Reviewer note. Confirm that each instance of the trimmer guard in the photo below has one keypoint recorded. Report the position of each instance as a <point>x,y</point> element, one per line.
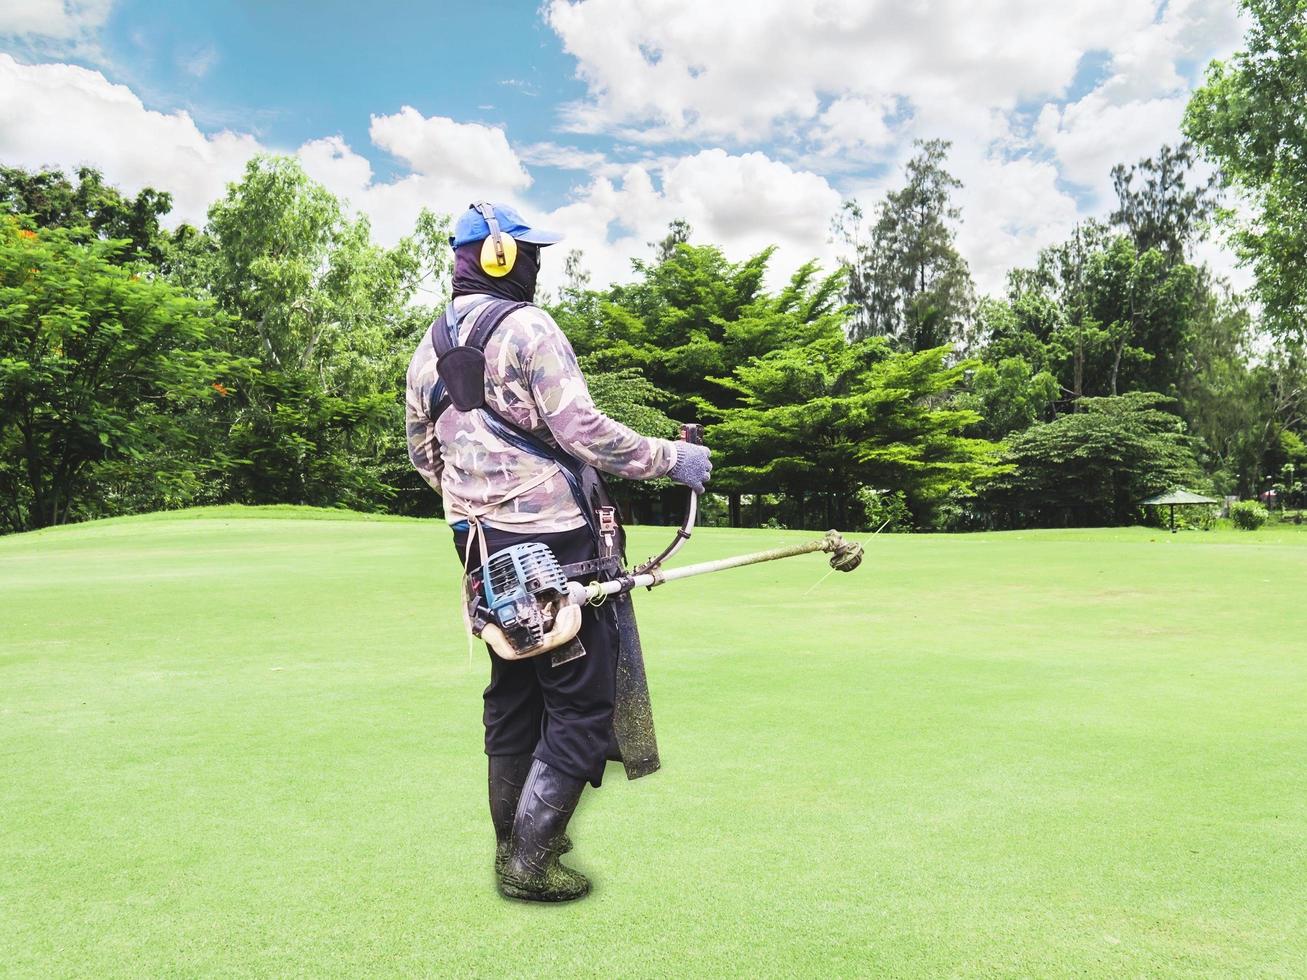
<point>633,725</point>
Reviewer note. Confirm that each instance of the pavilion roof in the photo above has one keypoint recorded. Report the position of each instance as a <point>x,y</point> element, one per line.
<point>1180,496</point>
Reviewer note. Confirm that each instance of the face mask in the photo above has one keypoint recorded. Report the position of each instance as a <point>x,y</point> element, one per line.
<point>519,284</point>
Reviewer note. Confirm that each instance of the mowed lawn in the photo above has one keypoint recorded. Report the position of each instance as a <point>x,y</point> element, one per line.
<point>238,743</point>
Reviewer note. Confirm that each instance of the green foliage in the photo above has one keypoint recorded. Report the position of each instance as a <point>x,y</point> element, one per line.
<point>885,511</point>
<point>101,370</point>
<point>92,209</point>
<point>324,314</point>
<point>1248,118</point>
<point>1007,396</point>
<point>629,398</point>
<point>692,317</point>
<point>1227,396</point>
<point>272,347</point>
<point>1094,466</point>
<point>1103,316</point>
<point>830,417</point>
<point>1196,518</point>
<point>1248,515</point>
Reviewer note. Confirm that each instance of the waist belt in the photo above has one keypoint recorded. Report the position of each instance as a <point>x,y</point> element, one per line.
<point>579,568</point>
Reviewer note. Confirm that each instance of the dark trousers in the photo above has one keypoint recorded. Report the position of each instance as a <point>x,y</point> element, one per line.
<point>562,715</point>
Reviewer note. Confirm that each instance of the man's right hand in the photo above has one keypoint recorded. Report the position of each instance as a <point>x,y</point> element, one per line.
<point>693,465</point>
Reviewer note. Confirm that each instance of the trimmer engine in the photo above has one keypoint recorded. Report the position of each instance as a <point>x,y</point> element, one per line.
<point>524,602</point>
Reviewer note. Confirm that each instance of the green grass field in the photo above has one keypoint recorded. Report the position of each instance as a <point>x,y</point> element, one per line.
<point>240,743</point>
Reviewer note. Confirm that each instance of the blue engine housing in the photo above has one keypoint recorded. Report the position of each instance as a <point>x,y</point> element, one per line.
<point>519,581</point>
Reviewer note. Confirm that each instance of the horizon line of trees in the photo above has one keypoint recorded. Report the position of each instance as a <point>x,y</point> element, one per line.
<point>261,358</point>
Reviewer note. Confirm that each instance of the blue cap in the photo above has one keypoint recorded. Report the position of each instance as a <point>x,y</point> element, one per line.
<point>472,227</point>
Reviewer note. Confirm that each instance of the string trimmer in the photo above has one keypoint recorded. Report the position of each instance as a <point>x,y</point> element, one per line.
<point>531,608</point>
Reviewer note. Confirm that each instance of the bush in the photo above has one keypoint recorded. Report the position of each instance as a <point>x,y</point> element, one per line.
<point>1200,518</point>
<point>1248,515</point>
<point>883,508</point>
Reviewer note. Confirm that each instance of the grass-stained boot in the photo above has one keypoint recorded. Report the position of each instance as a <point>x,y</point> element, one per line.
<point>533,872</point>
<point>507,777</point>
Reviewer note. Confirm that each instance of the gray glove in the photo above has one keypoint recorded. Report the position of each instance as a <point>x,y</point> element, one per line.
<point>693,465</point>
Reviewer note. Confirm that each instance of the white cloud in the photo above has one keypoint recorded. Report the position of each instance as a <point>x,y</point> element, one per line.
<point>856,123</point>
<point>65,116</point>
<point>748,70</point>
<point>845,86</point>
<point>58,19</point>
<point>437,146</point>
<point>60,115</point>
<point>550,154</point>
<point>1010,210</point>
<point>807,99</point>
<point>1090,136</point>
<point>453,164</point>
<point>742,203</point>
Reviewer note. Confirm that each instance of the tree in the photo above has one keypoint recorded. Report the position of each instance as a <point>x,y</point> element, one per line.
<point>691,319</point>
<point>1109,318</point>
<point>577,276</point>
<point>907,280</point>
<point>1145,303</point>
<point>695,316</point>
<point>1054,301</point>
<point>627,396</point>
<point>1224,396</point>
<point>1094,466</point>
<point>678,233</point>
<point>1163,212</point>
<point>1282,383</point>
<point>100,366</point>
<point>819,422</point>
<point>92,208</point>
<point>1248,118</point>
<point>1007,396</point>
<point>325,314</point>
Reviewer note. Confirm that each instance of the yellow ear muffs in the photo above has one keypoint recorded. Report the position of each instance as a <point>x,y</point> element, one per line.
<point>498,253</point>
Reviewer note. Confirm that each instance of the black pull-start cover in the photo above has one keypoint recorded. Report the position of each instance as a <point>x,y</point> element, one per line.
<point>463,369</point>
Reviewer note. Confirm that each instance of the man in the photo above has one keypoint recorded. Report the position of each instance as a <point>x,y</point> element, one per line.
<point>504,481</point>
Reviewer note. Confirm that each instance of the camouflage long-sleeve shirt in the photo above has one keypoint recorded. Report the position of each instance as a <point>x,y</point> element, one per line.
<point>534,381</point>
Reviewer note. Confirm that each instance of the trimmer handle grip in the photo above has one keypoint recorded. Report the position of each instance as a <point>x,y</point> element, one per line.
<point>692,433</point>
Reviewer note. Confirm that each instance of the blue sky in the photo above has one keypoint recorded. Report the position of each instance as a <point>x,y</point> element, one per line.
<point>291,77</point>
<point>608,118</point>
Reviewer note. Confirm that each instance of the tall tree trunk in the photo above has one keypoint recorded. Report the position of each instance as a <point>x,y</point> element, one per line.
<point>1078,382</point>
<point>1116,364</point>
<point>37,515</point>
<point>733,504</point>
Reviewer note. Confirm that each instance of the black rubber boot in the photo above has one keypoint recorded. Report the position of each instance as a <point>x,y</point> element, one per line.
<point>533,872</point>
<point>507,777</point>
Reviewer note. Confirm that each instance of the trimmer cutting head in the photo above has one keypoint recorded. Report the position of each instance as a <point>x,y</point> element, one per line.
<point>845,556</point>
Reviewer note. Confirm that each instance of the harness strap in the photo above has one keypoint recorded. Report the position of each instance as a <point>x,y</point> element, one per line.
<point>568,465</point>
<point>444,338</point>
<point>444,328</point>
<point>490,321</point>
